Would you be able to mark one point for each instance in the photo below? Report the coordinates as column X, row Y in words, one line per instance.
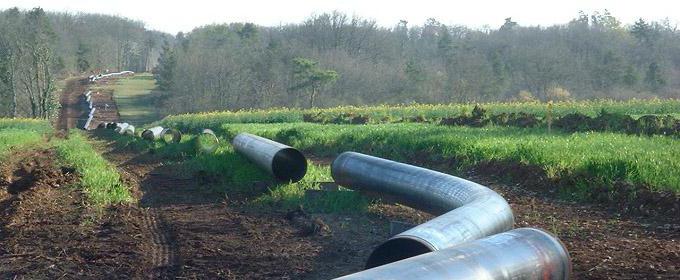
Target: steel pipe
column 207, row 142
column 523, row 253
column 283, row 162
column 471, row 211
column 170, row 135
column 152, row 134
column 120, row 126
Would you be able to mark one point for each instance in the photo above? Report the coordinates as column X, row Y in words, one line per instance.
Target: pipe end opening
column 395, row 250
column 170, row 135
column 289, row 164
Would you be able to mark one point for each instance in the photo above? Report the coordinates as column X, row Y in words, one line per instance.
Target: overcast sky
column 177, row 15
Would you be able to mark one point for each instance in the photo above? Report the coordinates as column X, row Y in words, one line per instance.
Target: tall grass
column 99, row 179
column 586, row 158
column 18, row 134
column 214, row 120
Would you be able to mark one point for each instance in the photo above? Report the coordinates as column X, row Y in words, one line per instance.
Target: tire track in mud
column 162, row 253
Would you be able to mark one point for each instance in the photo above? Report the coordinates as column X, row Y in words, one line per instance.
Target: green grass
column 21, row 134
column 395, row 113
column 588, row 159
column 99, row 179
column 136, row 98
column 228, row 172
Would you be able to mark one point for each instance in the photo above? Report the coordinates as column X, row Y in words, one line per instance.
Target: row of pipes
column 94, row 78
column 90, row 115
column 471, row 238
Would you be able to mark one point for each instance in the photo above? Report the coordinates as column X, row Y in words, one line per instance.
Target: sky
column 173, row 16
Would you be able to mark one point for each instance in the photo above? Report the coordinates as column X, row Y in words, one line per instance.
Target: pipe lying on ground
column 523, row 253
column 111, row 125
column 120, row 127
column 152, row 134
column 170, row 135
column 471, row 211
column 207, row 141
column 283, row 162
column 128, row 130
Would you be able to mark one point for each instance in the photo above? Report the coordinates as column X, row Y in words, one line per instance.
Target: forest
column 333, row 59
column 38, row 48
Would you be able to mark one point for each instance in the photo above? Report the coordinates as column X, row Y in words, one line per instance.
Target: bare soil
column 72, row 101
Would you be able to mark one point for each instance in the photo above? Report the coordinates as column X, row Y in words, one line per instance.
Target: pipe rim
column 176, row 135
column 398, row 248
column 289, row 165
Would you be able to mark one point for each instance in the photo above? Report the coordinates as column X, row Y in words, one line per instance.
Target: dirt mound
column 47, row 232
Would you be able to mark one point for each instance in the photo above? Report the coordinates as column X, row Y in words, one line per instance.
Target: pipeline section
column 470, row 211
column 207, row 141
column 283, row 162
column 94, row 78
column 524, row 253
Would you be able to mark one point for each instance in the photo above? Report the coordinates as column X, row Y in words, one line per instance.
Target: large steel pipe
column 523, row 253
column 283, row 162
column 471, row 211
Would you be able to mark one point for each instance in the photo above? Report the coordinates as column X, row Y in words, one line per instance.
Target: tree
column 37, row 79
column 164, row 71
column 309, row 77
column 654, row 77
column 508, row 25
column 81, row 57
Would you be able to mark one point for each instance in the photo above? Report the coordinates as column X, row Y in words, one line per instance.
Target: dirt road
column 71, row 111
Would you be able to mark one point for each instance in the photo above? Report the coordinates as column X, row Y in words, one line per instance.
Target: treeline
column 332, row 59
column 37, row 48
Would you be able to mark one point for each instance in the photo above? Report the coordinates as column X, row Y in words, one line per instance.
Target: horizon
column 173, row 17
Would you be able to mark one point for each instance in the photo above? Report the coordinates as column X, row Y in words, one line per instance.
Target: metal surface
column 120, row 127
column 207, row 142
column 128, row 130
column 523, row 253
column 170, row 135
column 471, row 211
column 283, row 162
column 153, row 133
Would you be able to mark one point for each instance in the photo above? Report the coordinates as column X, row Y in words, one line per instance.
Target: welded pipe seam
column 471, row 211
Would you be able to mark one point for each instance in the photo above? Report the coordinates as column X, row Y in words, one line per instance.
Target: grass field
column 16, row 134
column 585, row 162
column 136, row 98
column 99, row 180
column 396, row 113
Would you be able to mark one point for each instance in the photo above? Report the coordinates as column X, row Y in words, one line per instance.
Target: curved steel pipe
column 283, row 162
column 471, row 211
column 523, row 253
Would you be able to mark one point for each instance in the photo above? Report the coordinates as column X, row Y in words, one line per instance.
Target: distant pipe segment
column 283, row 162
column 170, row 135
column 471, row 211
column 153, row 133
column 523, row 253
column 207, row 141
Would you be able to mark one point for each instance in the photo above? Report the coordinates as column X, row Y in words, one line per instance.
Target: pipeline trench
column 181, row 229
